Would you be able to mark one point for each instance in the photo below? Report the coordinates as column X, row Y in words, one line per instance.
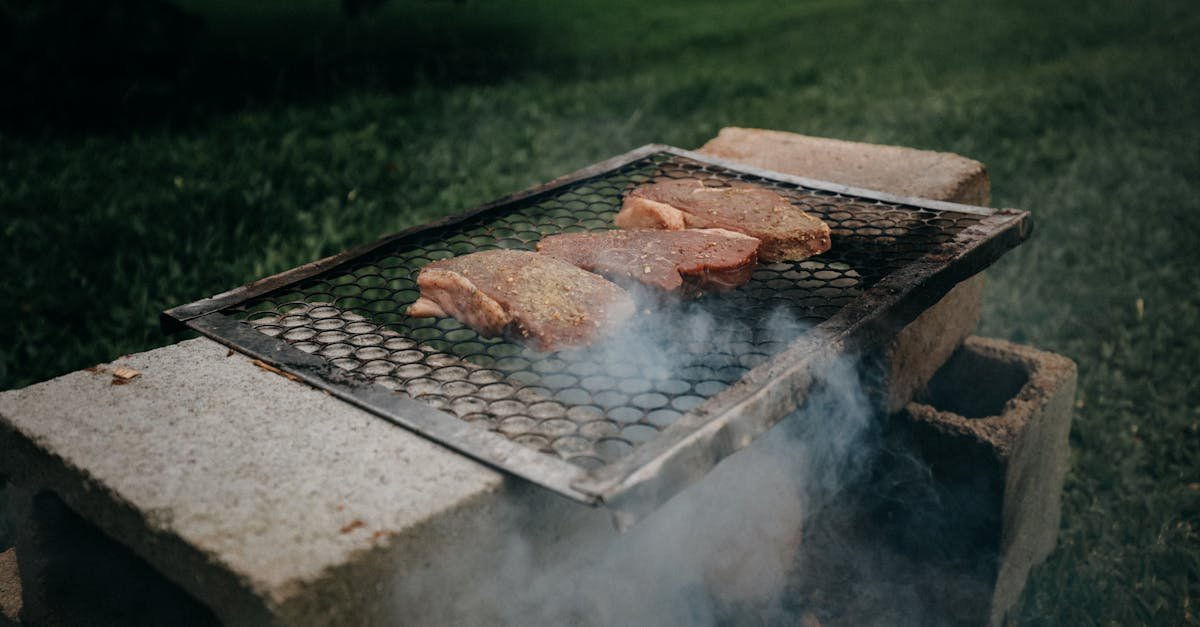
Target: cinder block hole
column 974, row 385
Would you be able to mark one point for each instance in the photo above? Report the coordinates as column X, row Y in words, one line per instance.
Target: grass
column 283, row 133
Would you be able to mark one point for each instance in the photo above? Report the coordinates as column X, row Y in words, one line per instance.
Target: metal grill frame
column 687, row 449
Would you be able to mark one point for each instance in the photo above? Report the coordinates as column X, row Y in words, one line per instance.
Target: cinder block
column 960, row 501
column 265, row 499
column 924, row 345
column 1001, row 413
column 892, row 169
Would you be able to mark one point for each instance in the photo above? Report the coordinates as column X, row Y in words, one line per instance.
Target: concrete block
column 961, row 500
column 1000, row 413
column 892, row 169
column 922, row 346
column 248, row 490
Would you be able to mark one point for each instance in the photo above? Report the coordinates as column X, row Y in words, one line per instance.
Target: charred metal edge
column 173, row 319
column 447, row 429
column 730, row 420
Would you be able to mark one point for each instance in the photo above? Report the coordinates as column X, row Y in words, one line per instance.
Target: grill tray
column 632, row 420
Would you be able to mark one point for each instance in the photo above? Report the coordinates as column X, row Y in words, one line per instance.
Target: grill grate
column 591, row 407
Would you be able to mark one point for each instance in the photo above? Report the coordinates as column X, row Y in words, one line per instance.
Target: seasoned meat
column 535, row 299
column 693, row 261
column 787, row 233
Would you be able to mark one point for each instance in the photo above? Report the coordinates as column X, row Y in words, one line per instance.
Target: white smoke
column 724, row 546
column 767, row 537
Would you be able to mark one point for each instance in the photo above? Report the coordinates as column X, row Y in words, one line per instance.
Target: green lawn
column 284, row 133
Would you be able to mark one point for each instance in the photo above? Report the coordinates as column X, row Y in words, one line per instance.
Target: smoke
column 827, row 519
column 722, row 550
column 717, row 338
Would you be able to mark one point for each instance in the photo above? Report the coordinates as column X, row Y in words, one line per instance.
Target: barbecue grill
column 605, row 424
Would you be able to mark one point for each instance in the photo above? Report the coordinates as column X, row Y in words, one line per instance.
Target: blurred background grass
column 152, row 153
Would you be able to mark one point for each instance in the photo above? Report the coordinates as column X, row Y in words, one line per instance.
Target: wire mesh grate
column 595, row 405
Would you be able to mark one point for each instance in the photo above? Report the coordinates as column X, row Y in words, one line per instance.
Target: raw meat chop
column 536, row 299
column 787, row 233
column 693, row 261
